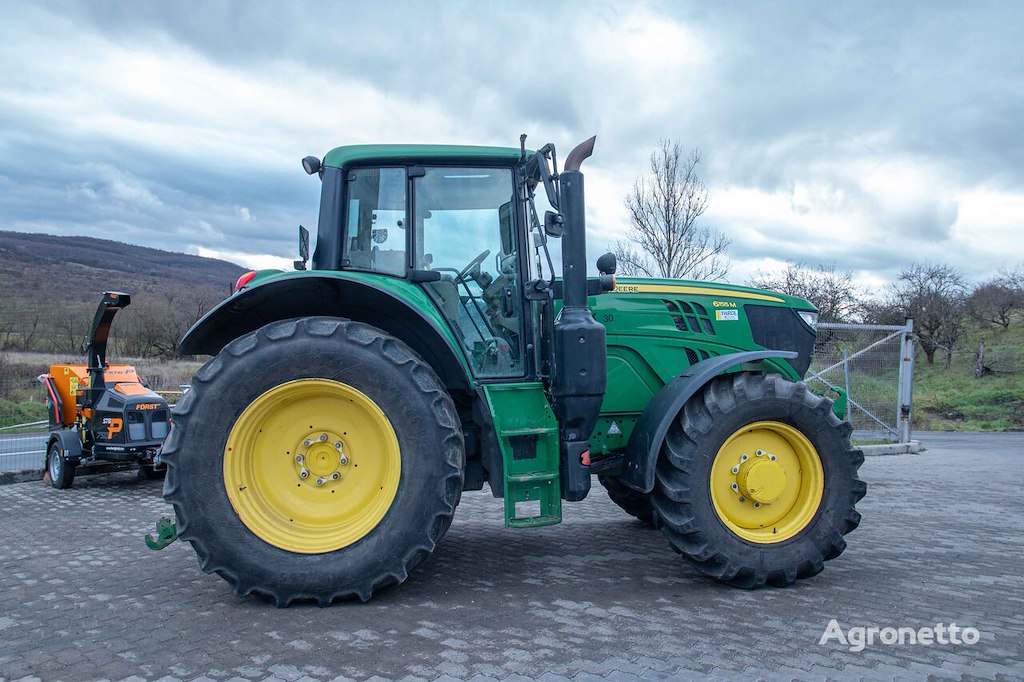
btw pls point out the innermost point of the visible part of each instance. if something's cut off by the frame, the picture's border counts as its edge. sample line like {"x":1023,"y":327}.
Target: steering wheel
{"x":473,"y":264}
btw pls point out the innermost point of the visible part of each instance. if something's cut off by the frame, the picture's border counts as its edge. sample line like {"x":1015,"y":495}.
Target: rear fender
{"x":397,"y":307}
{"x":645,"y":442}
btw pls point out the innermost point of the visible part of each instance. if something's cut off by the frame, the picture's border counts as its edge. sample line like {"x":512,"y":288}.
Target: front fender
{"x":396,"y":306}
{"x":644,"y":445}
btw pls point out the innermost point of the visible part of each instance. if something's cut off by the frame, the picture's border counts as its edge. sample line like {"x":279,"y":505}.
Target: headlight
{"x":810,"y":318}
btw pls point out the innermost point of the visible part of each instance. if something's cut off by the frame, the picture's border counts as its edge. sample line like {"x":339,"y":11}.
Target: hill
{"x":52,"y":285}
{"x":69,"y":269}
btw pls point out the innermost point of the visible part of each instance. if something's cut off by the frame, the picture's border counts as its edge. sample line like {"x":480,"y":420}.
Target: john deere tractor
{"x":430,"y":349}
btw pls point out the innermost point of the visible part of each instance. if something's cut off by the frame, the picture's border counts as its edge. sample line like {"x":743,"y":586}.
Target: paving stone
{"x":600,"y":597}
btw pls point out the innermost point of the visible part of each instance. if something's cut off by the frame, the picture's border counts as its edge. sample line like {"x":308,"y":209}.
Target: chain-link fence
{"x":873,"y":365}
{"x":23,"y":447}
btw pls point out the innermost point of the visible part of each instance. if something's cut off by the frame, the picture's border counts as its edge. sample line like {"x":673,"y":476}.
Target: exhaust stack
{"x":580,"y":377}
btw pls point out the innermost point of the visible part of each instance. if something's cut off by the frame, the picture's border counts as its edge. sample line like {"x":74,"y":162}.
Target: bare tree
{"x":832,"y":293}
{"x":935,"y":296}
{"x":664,"y":206}
{"x":994,"y":302}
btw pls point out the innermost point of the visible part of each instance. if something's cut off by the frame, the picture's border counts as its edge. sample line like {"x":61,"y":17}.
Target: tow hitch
{"x":166,"y":533}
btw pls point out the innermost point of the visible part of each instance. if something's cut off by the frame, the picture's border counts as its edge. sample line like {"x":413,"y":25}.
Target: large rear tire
{"x":757,"y":481}
{"x":316,"y":459}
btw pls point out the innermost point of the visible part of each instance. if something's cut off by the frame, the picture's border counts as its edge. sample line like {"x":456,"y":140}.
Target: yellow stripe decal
{"x":683,"y":289}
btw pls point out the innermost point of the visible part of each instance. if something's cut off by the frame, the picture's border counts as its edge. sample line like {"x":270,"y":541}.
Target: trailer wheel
{"x":757,"y":481}
{"x":630,"y":501}
{"x":62,"y":472}
{"x":316,"y":459}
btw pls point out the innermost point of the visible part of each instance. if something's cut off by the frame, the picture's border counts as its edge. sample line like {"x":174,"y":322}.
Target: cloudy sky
{"x":861,"y":134}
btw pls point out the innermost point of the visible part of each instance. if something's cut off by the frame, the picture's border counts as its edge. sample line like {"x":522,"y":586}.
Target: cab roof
{"x":339,"y":157}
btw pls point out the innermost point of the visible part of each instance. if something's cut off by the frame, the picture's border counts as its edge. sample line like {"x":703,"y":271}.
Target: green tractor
{"x":322,"y":451}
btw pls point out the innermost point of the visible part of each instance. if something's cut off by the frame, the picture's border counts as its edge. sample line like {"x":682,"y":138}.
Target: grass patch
{"x":21,"y":411}
{"x":954,"y":399}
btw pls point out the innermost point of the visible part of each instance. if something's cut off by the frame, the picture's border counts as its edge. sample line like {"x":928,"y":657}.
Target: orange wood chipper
{"x":100,"y":413}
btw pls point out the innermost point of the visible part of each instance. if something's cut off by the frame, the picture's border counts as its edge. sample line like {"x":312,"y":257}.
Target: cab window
{"x":464,"y":229}
{"x":375,"y":230}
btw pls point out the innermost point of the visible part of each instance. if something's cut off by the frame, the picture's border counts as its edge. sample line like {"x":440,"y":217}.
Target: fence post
{"x":906,"y":382}
{"x":846,"y":376}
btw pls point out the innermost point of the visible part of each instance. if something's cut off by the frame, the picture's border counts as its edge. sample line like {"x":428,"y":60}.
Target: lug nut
{"x":320,"y":480}
{"x":757,"y":505}
{"x":337,"y":444}
{"x":772,"y":457}
{"x":344,"y":459}
{"x":335,"y":476}
{"x":736,"y":469}
{"x":742,"y":499}
{"x":307,"y":442}
{"x":322,"y":438}
{"x":759,"y":453}
{"x":735,"y":486}
{"x":744,"y":457}
{"x":303,"y":474}
{"x":298,"y":458}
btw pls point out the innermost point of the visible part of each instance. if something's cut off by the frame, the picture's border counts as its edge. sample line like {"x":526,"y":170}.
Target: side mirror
{"x":554,"y":224}
{"x":303,"y":249}
{"x":606,"y":264}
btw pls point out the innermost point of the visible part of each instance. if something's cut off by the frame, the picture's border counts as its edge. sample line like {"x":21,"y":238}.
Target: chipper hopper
{"x":100,"y":413}
{"x":430,"y":349}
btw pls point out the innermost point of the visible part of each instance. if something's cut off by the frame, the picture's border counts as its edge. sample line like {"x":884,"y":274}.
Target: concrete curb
{"x":26,"y":475}
{"x":911,"y":448}
{"x":21,"y":476}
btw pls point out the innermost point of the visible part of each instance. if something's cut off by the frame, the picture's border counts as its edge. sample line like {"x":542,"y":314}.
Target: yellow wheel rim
{"x":767,"y":482}
{"x":312,"y":466}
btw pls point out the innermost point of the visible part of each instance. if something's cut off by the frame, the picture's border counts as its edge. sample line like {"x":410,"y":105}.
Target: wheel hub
{"x":320,"y":458}
{"x":761,"y":480}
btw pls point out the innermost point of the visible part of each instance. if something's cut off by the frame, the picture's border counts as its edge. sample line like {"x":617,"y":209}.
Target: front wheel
{"x":630,"y":501}
{"x":314,"y":459}
{"x":757,"y":481}
{"x":62,"y":472}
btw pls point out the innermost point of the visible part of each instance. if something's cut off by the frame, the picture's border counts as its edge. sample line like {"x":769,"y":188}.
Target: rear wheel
{"x":757,"y":481}
{"x":632,"y":502}
{"x":62,"y":472}
{"x":327,"y":461}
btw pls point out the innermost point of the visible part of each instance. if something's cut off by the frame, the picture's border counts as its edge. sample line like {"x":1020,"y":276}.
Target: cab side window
{"x":375,"y":233}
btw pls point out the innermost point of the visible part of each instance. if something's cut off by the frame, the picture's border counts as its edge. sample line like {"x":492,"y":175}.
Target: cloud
{"x":868,"y":137}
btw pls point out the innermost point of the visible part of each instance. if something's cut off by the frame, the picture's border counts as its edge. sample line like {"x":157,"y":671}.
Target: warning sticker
{"x":727,"y":315}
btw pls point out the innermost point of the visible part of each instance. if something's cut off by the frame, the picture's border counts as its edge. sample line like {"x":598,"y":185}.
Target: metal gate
{"x":874,"y":365}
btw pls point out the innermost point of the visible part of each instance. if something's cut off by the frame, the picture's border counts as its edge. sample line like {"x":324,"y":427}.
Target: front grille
{"x":777,"y":328}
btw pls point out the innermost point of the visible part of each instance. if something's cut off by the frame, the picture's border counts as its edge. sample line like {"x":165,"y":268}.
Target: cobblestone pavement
{"x":599,"y":596}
